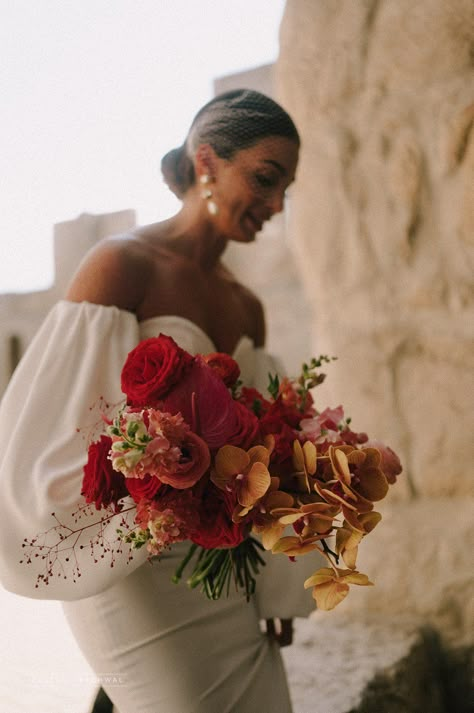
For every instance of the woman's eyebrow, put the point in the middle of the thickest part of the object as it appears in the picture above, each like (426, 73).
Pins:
(277, 165)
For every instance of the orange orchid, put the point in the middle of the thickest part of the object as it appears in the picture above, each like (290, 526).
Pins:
(348, 538)
(331, 585)
(264, 521)
(359, 469)
(305, 462)
(293, 546)
(313, 518)
(246, 472)
(358, 480)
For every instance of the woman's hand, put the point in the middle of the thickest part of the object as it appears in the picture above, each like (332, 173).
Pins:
(281, 630)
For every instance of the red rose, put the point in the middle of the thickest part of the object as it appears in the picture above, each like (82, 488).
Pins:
(216, 528)
(102, 484)
(145, 487)
(152, 369)
(226, 367)
(246, 430)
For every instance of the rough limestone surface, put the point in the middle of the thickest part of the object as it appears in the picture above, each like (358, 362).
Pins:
(382, 217)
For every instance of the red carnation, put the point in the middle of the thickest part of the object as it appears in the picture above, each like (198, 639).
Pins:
(226, 367)
(102, 484)
(253, 399)
(216, 528)
(152, 369)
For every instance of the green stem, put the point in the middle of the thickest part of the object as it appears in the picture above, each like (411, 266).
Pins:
(179, 572)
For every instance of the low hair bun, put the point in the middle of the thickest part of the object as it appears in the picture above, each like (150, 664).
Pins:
(178, 170)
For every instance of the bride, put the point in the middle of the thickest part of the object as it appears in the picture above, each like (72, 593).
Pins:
(171, 650)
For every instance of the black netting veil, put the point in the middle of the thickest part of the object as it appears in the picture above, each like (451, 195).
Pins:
(229, 122)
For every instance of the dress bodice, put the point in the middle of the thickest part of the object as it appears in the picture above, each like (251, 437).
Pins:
(254, 362)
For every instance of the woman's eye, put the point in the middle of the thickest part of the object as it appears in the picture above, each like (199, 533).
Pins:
(265, 181)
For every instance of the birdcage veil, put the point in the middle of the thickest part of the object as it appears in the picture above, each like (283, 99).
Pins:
(230, 122)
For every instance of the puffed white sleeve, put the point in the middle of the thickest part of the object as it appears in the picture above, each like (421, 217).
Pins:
(280, 592)
(75, 359)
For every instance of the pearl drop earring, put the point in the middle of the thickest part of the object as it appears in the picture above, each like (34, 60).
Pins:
(206, 193)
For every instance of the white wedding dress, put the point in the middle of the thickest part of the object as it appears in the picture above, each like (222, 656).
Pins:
(164, 649)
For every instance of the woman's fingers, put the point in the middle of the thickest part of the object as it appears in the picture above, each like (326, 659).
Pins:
(281, 630)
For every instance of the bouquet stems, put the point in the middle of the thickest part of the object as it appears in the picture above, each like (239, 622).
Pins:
(214, 570)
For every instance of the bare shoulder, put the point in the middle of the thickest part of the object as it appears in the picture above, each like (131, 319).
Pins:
(254, 311)
(258, 320)
(115, 272)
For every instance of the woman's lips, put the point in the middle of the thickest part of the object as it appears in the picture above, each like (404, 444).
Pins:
(253, 222)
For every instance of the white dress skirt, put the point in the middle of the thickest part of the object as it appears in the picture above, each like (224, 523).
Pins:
(156, 646)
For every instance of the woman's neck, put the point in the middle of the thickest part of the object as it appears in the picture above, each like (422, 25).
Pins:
(190, 233)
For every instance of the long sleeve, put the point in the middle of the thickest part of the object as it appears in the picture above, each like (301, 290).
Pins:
(74, 360)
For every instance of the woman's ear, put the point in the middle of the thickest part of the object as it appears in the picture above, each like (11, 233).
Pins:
(205, 162)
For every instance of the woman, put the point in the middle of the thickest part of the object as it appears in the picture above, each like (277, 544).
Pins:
(165, 648)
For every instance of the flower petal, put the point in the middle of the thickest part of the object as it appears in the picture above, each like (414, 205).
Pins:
(330, 594)
(310, 457)
(358, 578)
(230, 461)
(259, 454)
(254, 485)
(298, 456)
(373, 484)
(325, 574)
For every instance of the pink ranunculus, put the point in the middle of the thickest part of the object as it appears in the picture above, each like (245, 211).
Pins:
(194, 461)
(390, 464)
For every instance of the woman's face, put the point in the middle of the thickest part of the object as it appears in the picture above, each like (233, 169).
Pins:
(249, 188)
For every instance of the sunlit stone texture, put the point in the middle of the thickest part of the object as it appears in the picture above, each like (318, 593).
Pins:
(383, 222)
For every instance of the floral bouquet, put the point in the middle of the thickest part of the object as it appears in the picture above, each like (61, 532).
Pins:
(208, 460)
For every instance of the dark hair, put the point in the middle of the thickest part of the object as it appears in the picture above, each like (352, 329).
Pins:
(229, 123)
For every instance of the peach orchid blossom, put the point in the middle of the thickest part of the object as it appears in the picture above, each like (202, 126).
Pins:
(305, 461)
(293, 546)
(348, 538)
(264, 521)
(244, 472)
(359, 469)
(331, 585)
(309, 519)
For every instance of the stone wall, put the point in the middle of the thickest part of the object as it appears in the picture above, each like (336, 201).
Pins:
(383, 220)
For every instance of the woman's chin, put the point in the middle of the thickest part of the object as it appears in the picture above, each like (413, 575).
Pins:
(244, 234)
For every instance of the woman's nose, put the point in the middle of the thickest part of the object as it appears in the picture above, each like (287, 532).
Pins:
(277, 202)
